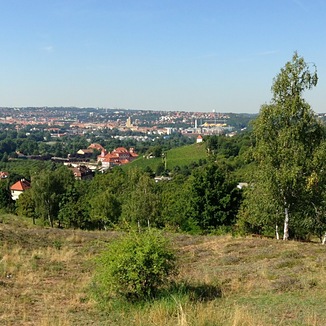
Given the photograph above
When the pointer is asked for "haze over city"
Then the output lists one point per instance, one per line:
(158, 55)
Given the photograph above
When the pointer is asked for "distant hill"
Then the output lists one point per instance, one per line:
(179, 156)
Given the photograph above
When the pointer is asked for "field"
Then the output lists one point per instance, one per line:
(46, 277)
(179, 156)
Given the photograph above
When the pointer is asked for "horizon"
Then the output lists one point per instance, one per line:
(148, 55)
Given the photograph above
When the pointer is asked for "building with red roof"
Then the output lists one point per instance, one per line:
(18, 188)
(4, 175)
(118, 156)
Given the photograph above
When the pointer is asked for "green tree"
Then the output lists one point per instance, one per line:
(213, 196)
(74, 207)
(160, 169)
(315, 218)
(287, 134)
(6, 202)
(5, 157)
(176, 206)
(105, 209)
(25, 205)
(48, 189)
(141, 204)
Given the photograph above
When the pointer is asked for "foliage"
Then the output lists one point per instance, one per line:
(48, 189)
(214, 198)
(127, 194)
(141, 205)
(135, 266)
(74, 208)
(6, 202)
(287, 135)
(105, 209)
(25, 205)
(175, 205)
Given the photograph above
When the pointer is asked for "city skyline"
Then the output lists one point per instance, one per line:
(156, 55)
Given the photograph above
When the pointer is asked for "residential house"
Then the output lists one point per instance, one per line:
(81, 172)
(18, 188)
(87, 152)
(118, 156)
(4, 175)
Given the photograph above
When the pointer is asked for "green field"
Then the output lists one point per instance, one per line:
(180, 156)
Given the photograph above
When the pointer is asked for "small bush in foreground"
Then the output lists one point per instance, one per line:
(135, 266)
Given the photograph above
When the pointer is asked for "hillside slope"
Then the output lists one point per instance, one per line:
(179, 156)
(46, 274)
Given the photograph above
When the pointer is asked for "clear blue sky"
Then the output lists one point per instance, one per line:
(187, 55)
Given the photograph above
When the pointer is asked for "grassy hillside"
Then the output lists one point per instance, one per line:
(46, 274)
(177, 156)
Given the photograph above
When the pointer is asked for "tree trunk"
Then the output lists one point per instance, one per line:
(286, 224)
(50, 220)
(324, 239)
(276, 231)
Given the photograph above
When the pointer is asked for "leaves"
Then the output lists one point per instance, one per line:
(287, 137)
(136, 265)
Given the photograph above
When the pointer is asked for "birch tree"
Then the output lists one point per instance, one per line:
(287, 134)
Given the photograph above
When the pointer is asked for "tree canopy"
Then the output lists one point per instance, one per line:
(287, 135)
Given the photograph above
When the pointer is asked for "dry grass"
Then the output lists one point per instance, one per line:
(45, 276)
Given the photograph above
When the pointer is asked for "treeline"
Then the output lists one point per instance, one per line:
(205, 200)
(200, 197)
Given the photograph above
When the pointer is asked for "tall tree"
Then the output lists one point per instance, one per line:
(25, 205)
(105, 209)
(6, 202)
(287, 134)
(214, 198)
(141, 204)
(49, 188)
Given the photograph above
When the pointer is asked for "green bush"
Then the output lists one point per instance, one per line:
(135, 266)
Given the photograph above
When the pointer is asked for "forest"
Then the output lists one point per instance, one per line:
(280, 159)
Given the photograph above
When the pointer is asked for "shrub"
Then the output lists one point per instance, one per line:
(135, 266)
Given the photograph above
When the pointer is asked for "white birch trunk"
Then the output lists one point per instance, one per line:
(286, 224)
(276, 231)
(324, 239)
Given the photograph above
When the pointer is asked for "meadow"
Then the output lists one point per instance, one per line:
(46, 279)
(180, 156)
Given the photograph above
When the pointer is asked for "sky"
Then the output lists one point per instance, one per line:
(185, 55)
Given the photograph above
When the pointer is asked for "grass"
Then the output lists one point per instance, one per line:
(46, 277)
(180, 156)
(185, 155)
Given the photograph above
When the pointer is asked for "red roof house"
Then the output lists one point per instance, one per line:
(4, 175)
(118, 156)
(19, 187)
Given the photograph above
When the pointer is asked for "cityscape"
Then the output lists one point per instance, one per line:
(62, 121)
